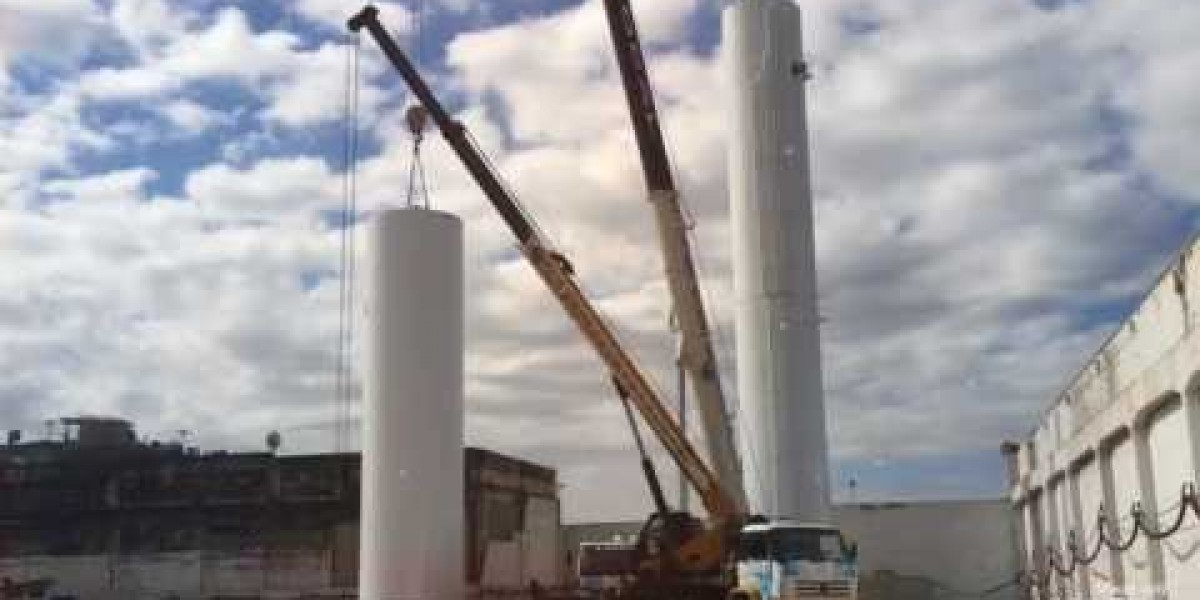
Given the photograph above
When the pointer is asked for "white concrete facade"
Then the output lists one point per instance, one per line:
(1125, 430)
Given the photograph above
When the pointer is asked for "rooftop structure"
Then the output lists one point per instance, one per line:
(152, 518)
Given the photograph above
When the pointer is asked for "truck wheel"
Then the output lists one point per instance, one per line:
(742, 595)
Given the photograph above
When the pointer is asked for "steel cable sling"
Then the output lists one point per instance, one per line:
(1187, 499)
(1053, 564)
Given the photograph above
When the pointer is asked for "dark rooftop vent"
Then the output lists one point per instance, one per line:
(99, 432)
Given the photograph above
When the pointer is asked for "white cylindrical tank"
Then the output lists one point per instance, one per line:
(412, 517)
(785, 452)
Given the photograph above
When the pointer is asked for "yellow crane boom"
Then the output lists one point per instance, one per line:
(558, 276)
(696, 356)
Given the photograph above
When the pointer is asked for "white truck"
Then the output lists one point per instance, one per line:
(601, 567)
(784, 560)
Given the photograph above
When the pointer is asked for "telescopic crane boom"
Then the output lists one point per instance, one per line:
(696, 355)
(557, 274)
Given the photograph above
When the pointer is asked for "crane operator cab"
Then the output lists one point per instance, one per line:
(785, 560)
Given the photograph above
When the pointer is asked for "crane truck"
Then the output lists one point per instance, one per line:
(767, 564)
(679, 556)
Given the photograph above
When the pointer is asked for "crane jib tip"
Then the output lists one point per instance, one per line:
(369, 14)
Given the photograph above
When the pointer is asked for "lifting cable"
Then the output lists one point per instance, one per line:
(1108, 535)
(416, 117)
(417, 120)
(345, 340)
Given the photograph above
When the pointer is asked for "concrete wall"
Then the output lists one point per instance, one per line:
(908, 551)
(528, 552)
(180, 575)
(330, 570)
(932, 550)
(1125, 430)
(513, 523)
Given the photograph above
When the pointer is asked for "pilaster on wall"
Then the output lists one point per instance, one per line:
(1082, 576)
(1149, 502)
(1105, 465)
(1191, 416)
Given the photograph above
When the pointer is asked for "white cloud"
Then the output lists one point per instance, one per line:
(314, 91)
(50, 32)
(226, 48)
(958, 213)
(127, 83)
(108, 283)
(193, 117)
(285, 188)
(121, 187)
(302, 87)
(968, 220)
(45, 132)
(147, 25)
(564, 95)
(664, 22)
(1150, 51)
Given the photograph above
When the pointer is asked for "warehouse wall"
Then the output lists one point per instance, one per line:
(931, 550)
(1124, 431)
(907, 551)
(181, 575)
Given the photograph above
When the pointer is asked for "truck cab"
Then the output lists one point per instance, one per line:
(786, 560)
(602, 566)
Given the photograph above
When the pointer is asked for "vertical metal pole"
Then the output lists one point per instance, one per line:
(683, 483)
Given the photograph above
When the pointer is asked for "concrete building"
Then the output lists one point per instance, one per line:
(513, 523)
(907, 550)
(98, 515)
(1124, 431)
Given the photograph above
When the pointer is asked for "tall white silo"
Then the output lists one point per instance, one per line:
(412, 516)
(785, 453)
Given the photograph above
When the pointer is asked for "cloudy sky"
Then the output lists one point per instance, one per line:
(997, 181)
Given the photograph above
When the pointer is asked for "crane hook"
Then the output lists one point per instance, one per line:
(417, 119)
